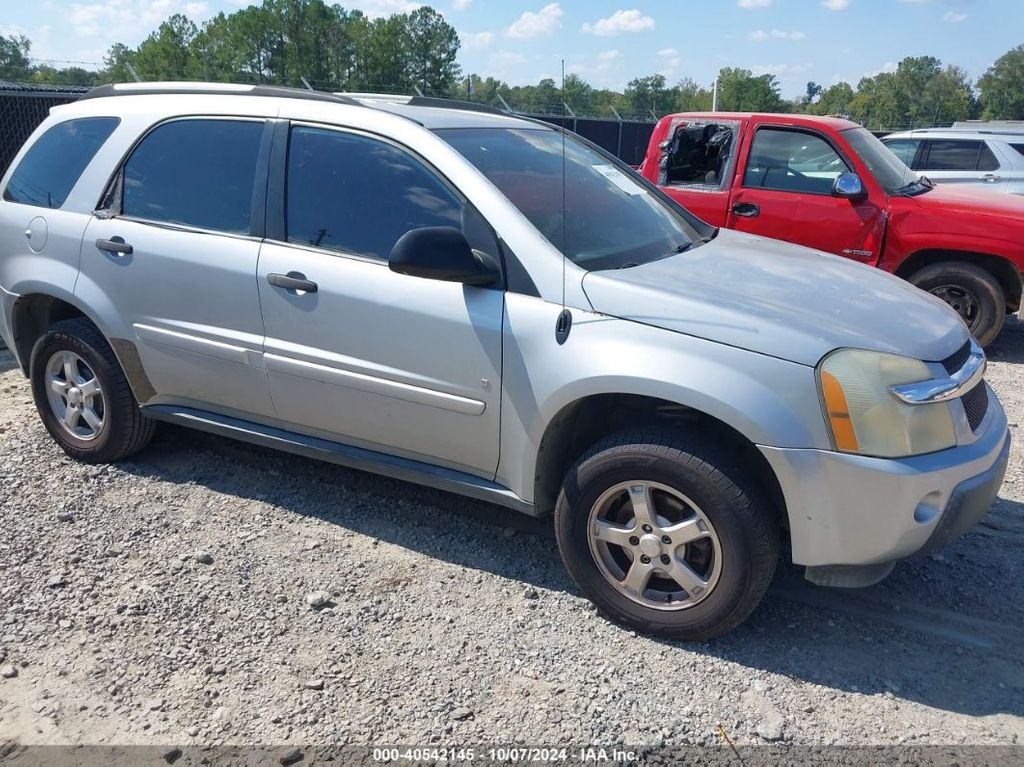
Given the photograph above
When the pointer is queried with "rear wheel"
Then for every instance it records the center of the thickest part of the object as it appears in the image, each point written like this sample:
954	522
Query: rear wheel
666	534
973	292
83	397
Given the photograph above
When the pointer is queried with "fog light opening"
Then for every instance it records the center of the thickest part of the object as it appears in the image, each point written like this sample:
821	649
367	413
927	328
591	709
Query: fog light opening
928	508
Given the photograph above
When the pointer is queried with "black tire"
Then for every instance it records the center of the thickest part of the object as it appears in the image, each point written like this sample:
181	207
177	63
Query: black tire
973	292
727	494
125	430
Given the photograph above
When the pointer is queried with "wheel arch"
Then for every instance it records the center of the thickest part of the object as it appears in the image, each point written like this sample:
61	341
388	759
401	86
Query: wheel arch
1000	267
34	313
585	421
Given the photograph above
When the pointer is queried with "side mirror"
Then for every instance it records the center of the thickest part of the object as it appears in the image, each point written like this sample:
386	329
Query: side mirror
849	186
441	253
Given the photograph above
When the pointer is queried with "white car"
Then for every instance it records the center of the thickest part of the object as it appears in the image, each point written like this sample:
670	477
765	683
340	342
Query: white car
987	158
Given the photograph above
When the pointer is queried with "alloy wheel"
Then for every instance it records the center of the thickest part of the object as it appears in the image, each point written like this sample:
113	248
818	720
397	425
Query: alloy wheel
654	545
75	396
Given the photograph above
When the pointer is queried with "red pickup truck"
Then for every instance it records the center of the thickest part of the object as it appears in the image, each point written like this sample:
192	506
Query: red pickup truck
830	184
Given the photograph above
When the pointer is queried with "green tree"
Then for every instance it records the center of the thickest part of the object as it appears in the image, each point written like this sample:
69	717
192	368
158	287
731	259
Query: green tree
739	90
14	63
433	48
645	95
167	54
691	97
834	100
1002	87
813	91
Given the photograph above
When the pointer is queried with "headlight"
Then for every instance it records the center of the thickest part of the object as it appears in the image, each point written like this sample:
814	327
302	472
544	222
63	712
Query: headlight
866	418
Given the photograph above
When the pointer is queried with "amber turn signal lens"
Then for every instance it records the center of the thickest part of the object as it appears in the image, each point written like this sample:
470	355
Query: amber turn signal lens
838	414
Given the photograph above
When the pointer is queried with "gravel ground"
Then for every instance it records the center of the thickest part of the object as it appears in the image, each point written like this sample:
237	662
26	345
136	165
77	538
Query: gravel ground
209	592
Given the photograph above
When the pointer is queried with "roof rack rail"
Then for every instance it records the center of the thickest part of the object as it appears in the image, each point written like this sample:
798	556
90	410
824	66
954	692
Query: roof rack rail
214	89
440	103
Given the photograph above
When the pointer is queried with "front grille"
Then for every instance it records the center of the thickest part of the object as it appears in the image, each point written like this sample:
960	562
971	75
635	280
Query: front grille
976	405
957	359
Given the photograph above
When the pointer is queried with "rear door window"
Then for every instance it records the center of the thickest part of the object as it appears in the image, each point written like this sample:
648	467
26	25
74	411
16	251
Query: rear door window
953	154
987	159
196	173
698	153
52	166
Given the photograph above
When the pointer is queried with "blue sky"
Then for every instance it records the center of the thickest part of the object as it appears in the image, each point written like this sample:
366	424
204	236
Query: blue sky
611	41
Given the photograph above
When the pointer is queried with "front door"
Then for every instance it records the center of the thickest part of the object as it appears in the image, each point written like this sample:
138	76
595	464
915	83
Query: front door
174	254
786	193
358	353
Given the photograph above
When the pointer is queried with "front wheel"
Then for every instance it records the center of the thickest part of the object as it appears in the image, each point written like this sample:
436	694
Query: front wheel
973	293
666	534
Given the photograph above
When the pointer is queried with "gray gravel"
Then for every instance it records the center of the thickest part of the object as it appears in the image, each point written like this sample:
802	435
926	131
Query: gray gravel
211	592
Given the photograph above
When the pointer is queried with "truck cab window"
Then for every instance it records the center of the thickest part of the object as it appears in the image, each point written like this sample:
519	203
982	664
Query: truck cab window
697	153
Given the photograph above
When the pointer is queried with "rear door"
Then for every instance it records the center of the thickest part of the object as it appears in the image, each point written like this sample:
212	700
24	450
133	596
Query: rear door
963	162
785	192
174	253
696	165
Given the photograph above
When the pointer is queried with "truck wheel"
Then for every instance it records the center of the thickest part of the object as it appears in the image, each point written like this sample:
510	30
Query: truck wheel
666	534
973	292
83	397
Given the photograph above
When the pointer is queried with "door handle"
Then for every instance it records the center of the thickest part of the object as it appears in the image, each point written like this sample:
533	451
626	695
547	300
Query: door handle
292	281
115	245
746	209
989	177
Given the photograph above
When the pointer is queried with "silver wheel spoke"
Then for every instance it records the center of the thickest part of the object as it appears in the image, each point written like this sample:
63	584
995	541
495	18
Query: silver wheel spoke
643	505
94	421
59	387
89	388
685	576
685	532
637	577
613	534
70	418
70	368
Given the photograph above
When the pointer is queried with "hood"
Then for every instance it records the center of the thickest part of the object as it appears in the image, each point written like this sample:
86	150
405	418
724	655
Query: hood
779	299
951	198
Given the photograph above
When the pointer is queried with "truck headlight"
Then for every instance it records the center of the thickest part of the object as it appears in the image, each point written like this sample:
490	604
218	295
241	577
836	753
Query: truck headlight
866	418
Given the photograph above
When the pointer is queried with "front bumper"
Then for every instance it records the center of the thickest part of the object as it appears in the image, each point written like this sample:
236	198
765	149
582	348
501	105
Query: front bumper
853	510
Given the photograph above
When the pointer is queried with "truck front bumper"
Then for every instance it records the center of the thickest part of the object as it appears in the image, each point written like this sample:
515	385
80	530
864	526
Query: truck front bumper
851	513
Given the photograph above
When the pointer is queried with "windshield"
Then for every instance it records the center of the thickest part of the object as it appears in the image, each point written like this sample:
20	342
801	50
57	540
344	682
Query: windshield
611	220
886	167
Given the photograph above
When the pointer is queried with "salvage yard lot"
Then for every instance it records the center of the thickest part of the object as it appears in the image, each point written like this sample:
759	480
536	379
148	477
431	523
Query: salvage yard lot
448	621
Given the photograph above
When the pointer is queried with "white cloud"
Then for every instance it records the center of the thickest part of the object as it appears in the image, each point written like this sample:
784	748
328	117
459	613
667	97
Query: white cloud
953	17
758	35
889	66
618	23
753	3
836	5
476	41
668	52
461	5
131	18
540	24
777	34
609	55
781	69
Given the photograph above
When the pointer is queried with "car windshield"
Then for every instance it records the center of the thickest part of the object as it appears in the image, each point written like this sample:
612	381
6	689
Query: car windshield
609	220
888	169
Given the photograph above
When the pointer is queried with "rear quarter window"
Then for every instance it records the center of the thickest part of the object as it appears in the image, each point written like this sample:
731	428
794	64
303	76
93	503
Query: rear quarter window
52	165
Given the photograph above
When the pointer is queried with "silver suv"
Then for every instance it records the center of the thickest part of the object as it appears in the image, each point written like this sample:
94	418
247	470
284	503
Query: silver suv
980	158
483	304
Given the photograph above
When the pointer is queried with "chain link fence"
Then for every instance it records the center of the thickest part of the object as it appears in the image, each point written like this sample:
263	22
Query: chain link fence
22	108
